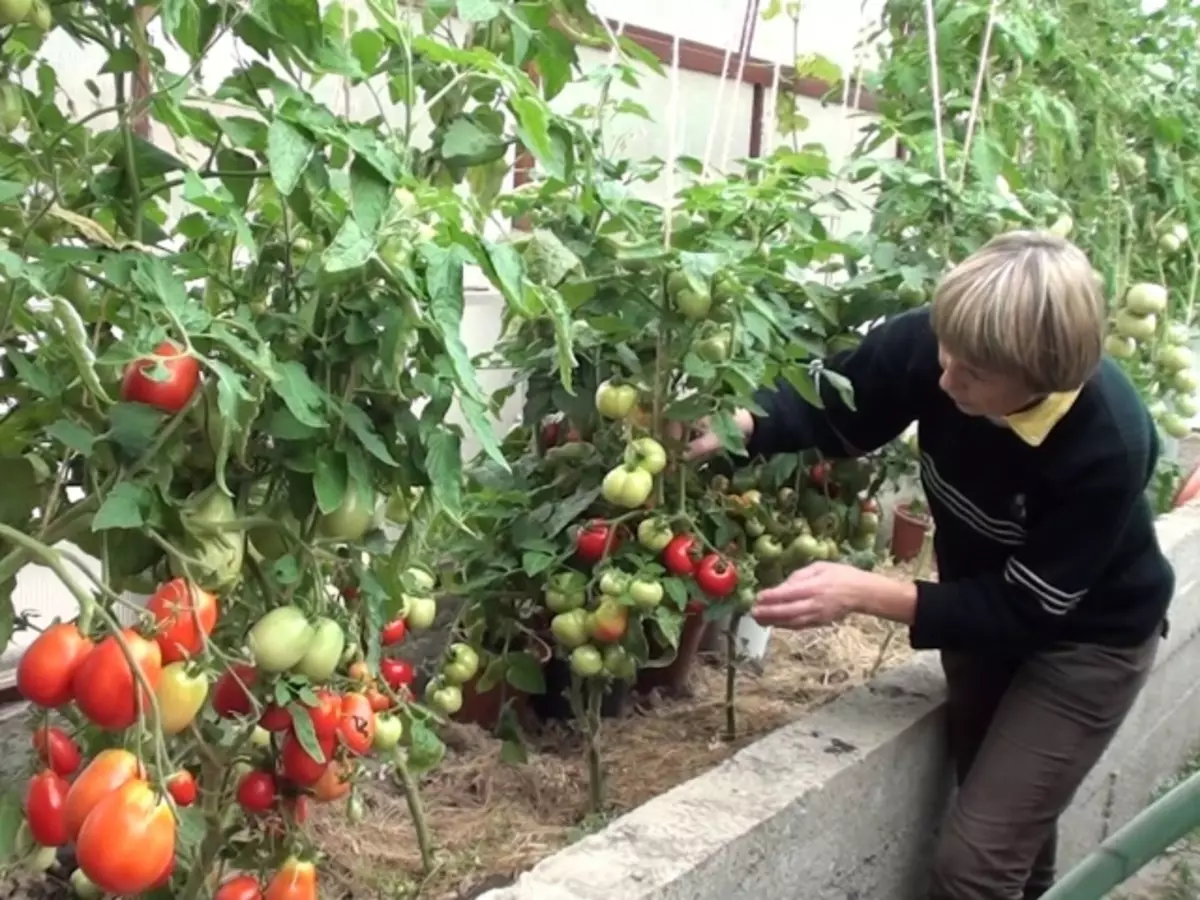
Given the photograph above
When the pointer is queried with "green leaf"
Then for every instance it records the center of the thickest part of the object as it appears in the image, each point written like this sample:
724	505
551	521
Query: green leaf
288	152
466	143
124	507
11	817
330	479
72	435
369	196
508	268
533	128
443	463
726	428
7	626
65	319
351	248
425	750
525	673
303	398
357	421
478	10
302	725
133	426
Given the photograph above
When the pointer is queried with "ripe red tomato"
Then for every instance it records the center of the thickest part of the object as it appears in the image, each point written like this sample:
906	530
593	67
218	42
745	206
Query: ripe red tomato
172	393
592	540
716	576
128	840
397	673
819	473
46	808
108	771
105	688
239	887
230	697
334	783
257	792
295	880
357	726
681	554
184	615
327	714
47	667
183	789
164	879
393	632
300	768
276	718
56	749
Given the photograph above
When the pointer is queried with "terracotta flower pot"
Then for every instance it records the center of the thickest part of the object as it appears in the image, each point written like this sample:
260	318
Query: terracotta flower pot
484	709
908	533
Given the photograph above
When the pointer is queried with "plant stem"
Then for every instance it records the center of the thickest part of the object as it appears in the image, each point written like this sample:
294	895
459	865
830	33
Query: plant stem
416	809
586	698
731	677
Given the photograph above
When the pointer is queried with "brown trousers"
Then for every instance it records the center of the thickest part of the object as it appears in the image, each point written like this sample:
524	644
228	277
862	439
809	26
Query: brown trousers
1023	734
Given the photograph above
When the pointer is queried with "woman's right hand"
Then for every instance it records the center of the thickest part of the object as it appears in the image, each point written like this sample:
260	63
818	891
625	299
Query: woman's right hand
706	442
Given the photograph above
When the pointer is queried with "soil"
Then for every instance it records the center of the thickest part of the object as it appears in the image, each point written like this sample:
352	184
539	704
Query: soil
493	820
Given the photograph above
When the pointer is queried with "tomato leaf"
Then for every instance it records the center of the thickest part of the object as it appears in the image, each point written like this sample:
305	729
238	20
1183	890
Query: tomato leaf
302	397
669	625
356	420
72	435
425	750
288	152
124	507
10	823
524	673
330	479
7	618
491	676
302	726
443	463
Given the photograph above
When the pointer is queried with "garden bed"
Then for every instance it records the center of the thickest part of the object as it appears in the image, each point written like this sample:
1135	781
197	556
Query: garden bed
493	820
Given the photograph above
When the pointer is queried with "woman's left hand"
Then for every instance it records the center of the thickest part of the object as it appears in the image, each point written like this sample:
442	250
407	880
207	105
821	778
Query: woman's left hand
819	594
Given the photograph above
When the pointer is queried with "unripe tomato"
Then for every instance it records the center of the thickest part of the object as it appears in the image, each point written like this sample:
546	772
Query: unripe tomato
128	840
351	520
422	611
239	887
646	454
165	381
47	668
324	652
608	622
180	697
462	664
586	661
185	615
570	628
105	688
295	880
103	775
388	731
357	726
566	590
619	663
45	808
615	401
231	697
378	699
626	487
182	787
280	639
334	783
257	792
646	594
654	533
692	305
83	886
56	749
1146	299
446	699
298	766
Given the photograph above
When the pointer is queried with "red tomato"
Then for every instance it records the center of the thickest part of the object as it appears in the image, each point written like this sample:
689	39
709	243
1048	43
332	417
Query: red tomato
128	840
326	716
172	393
108	771
297	809
819	473
295	880
46	808
393	632
47	667
239	887
257	792
716	576
165	878
357	727
230	697
397	673
56	749
300	768
378	699
106	690
182	787
184	614
592	539
680	556
334	783
276	718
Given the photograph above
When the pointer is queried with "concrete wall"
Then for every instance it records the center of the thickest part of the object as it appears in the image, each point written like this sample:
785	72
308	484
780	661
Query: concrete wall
843	804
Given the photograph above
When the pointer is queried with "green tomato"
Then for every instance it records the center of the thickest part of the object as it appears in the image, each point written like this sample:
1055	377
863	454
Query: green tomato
324	653
627	487
868	523
84	887
446	699
645	593
1178	334
614	583
280	639
1120	347
388	731
260	737
804	547
725	287
566	591
586	661
1186	406
462	664
746	598
654	533
1169	243
12	111
619	663
1174	425
41	860
1185	382
421	613
677	282
1146	299
220	553
1175	359
422	580
1131	325
570	628
13	12
767	547
351	520
615	401
715	349
646	454
692	305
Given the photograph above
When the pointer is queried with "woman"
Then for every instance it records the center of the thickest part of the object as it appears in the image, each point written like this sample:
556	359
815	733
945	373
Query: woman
1052	592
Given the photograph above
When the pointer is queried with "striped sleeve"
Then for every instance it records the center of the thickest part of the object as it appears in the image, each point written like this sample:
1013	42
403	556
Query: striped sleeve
1046	578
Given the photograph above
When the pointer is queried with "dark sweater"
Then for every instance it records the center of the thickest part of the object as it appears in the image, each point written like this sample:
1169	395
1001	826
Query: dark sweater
1035	545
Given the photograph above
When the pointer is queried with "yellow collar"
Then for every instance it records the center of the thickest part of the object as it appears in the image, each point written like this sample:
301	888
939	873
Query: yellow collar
1033	425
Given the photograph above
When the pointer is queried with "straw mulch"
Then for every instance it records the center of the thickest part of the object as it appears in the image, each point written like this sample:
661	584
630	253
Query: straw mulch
491	820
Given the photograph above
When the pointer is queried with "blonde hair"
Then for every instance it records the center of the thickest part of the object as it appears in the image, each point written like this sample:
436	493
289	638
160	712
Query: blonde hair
1028	305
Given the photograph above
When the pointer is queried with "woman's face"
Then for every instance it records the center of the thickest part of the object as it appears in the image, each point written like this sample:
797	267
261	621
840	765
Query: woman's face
980	393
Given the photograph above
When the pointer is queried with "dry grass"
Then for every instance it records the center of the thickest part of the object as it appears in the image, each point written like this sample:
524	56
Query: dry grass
492	820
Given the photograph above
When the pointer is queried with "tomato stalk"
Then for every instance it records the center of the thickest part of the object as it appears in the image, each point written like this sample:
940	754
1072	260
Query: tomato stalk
731	677
416	809
586	697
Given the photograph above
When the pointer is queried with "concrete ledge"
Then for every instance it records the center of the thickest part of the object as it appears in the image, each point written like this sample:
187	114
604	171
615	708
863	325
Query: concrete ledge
844	804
